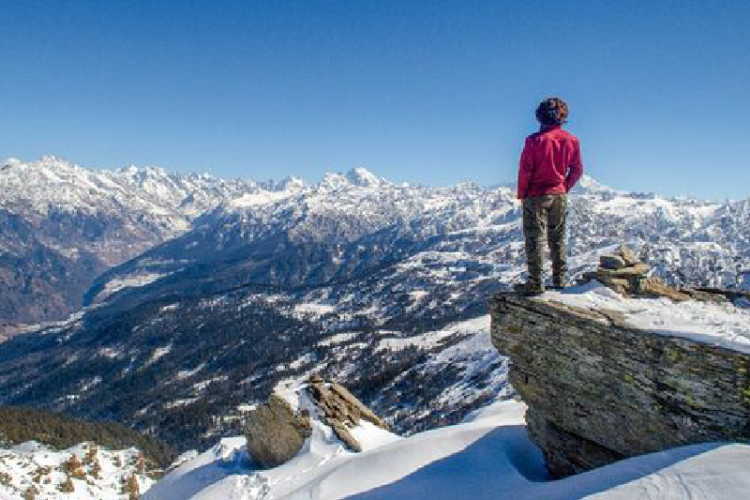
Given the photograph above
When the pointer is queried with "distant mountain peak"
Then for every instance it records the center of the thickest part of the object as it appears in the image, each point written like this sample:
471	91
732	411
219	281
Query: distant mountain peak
11	161
150	171
360	176
288	183
589	185
54	160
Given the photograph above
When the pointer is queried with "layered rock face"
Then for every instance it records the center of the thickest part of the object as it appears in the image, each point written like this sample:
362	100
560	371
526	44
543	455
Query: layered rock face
599	389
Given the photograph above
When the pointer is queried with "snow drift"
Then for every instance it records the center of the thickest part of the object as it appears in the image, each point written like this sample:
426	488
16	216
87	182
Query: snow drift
487	457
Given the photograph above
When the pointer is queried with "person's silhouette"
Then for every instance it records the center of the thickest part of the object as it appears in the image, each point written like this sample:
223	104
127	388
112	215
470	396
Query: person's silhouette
550	166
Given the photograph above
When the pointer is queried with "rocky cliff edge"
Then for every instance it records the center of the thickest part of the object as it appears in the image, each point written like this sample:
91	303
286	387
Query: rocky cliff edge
615	371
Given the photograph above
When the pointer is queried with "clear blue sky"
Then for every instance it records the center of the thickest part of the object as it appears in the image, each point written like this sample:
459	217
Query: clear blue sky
425	91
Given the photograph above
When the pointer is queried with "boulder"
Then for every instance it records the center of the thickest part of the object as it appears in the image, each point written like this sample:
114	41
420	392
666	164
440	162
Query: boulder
275	433
627	272
621	258
621	271
652	287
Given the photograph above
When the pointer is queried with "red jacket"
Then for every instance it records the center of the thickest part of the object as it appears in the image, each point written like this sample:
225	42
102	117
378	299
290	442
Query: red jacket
550	163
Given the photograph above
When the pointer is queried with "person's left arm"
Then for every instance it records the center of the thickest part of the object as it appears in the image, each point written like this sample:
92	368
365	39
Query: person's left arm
575	169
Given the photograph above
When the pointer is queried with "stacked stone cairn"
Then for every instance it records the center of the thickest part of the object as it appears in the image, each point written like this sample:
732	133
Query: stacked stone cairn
624	273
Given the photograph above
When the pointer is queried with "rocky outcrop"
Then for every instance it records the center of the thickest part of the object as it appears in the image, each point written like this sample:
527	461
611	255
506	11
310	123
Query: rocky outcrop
341	410
600	389
275	433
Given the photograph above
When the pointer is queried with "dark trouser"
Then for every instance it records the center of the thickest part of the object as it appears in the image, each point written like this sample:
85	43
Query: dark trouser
545	214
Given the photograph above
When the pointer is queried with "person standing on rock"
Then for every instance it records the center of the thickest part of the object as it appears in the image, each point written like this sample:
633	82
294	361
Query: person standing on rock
549	168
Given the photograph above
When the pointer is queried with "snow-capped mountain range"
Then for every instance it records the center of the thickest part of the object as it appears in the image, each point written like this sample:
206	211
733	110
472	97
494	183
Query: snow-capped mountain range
62	225
355	223
356	276
52	183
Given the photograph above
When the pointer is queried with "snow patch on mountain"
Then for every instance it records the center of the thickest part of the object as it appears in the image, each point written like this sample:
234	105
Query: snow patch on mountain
133	280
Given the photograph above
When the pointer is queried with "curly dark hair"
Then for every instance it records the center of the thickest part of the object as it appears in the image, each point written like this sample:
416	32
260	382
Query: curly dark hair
552	111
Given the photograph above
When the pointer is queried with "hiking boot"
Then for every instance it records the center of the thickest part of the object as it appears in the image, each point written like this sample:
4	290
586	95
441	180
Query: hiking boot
530	288
558	283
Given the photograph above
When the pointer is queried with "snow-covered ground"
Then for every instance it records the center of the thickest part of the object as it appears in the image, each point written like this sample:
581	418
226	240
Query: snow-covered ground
489	456
724	325
94	474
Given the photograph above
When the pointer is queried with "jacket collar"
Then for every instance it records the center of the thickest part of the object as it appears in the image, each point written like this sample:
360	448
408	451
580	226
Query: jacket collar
548	128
